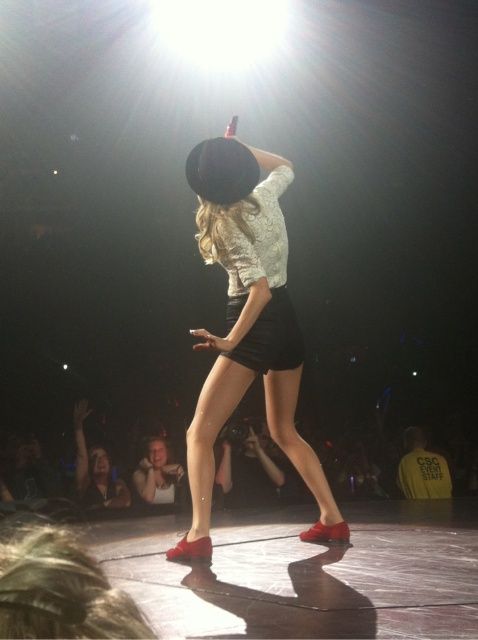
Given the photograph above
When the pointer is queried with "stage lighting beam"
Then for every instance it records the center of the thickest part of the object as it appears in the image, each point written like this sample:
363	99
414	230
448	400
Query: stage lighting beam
221	34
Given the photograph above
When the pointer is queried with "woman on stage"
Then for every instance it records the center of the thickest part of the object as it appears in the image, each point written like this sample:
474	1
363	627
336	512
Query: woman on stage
241	226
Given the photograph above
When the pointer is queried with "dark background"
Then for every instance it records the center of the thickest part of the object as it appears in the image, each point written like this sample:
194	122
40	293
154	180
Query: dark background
376	104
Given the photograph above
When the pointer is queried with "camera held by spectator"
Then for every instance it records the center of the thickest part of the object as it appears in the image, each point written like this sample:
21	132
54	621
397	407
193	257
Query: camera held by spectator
247	473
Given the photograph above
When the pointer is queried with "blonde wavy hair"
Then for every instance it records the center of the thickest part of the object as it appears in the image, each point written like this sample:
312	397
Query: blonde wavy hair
208	220
51	588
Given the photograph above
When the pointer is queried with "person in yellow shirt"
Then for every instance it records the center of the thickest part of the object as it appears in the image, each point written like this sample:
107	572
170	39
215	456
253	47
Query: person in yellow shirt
421	473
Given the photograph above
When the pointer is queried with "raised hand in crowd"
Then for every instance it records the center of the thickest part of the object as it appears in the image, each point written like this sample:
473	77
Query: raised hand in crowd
81	411
95	484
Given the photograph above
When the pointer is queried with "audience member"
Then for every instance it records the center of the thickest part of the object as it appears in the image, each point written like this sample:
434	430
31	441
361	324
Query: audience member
457	451
389	452
50	588
422	473
28	476
472	472
359	476
157	480
95	484
5	495
247	473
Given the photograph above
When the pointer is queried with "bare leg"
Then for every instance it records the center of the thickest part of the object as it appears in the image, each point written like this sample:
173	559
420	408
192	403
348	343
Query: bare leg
281	391
222	391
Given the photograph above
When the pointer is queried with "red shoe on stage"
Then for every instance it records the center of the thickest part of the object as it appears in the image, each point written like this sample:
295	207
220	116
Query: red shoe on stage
189	552
335	534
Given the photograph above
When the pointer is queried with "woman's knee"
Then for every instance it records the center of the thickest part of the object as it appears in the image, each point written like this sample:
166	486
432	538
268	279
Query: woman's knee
200	432
284	436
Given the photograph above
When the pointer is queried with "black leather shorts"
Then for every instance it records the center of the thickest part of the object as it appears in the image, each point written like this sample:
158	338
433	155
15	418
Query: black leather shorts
275	340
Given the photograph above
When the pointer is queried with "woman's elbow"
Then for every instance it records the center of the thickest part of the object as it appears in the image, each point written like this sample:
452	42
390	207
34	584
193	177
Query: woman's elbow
225	486
280	482
262	289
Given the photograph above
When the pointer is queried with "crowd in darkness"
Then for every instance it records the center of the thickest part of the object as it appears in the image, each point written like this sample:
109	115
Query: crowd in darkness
142	472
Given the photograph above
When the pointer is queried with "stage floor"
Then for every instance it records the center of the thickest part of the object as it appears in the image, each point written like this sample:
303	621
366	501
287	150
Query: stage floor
411	573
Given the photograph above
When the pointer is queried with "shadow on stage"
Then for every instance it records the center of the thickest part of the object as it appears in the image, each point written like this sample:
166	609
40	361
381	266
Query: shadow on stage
320	609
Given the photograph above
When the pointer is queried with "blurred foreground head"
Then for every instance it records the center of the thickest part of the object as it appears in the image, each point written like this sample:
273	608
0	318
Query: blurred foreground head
50	588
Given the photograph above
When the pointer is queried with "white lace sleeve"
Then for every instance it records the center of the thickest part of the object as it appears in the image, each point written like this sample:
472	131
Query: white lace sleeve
276	182
240	254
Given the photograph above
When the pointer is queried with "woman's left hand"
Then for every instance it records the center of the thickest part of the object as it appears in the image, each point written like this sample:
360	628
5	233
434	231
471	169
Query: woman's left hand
210	341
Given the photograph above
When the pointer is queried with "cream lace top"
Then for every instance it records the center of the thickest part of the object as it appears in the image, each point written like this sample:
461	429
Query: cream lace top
246	262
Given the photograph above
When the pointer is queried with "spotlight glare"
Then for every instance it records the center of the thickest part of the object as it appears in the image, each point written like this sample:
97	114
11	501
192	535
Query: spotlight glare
221	33
65	367
414	374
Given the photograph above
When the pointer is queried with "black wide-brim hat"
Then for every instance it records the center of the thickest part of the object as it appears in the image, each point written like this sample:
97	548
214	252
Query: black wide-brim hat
222	170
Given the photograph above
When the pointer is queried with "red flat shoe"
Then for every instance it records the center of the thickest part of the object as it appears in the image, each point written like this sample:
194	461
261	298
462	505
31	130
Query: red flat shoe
336	534
197	551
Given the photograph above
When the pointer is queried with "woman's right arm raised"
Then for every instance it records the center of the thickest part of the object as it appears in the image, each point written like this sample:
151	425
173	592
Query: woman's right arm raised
268	161
80	413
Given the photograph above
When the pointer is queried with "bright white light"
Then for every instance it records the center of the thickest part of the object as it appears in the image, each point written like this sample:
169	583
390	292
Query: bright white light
221	33
414	373
55	172
65	367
